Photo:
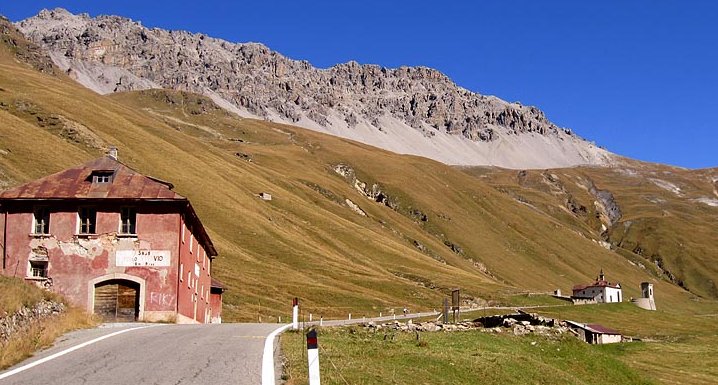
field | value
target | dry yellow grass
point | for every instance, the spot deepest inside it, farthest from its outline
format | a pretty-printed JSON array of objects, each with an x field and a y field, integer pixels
[
  {"x": 17, "y": 294},
  {"x": 307, "y": 242},
  {"x": 42, "y": 334}
]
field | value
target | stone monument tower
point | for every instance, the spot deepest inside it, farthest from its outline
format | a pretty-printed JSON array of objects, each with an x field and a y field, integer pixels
[{"x": 646, "y": 301}]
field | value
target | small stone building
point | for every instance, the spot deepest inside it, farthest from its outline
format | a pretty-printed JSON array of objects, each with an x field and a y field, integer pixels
[
  {"x": 595, "y": 333},
  {"x": 600, "y": 291},
  {"x": 113, "y": 241}
]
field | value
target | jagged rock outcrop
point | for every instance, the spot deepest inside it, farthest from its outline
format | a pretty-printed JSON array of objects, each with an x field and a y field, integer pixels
[
  {"x": 413, "y": 110},
  {"x": 607, "y": 208},
  {"x": 25, "y": 51}
]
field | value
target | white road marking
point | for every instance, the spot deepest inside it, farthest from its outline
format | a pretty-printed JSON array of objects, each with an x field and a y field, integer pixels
[
  {"x": 268, "y": 377},
  {"x": 69, "y": 350}
]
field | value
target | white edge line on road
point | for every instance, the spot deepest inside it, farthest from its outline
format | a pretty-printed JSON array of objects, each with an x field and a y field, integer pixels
[
  {"x": 69, "y": 350},
  {"x": 268, "y": 376}
]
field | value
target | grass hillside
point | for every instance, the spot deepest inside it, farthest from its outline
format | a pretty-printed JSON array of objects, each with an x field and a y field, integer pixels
[
  {"x": 669, "y": 216},
  {"x": 428, "y": 227}
]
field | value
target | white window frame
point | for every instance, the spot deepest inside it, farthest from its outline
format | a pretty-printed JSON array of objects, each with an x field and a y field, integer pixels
[
  {"x": 133, "y": 223},
  {"x": 79, "y": 221},
  {"x": 45, "y": 216},
  {"x": 31, "y": 270},
  {"x": 102, "y": 177}
]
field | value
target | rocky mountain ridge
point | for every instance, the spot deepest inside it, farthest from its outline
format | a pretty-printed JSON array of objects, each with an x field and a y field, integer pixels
[{"x": 413, "y": 110}]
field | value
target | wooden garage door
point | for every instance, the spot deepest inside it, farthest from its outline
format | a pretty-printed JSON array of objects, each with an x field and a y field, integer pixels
[{"x": 117, "y": 300}]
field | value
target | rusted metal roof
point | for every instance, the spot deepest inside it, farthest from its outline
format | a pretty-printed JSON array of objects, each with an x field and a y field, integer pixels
[
  {"x": 595, "y": 328},
  {"x": 216, "y": 284},
  {"x": 76, "y": 183},
  {"x": 124, "y": 184},
  {"x": 597, "y": 284},
  {"x": 601, "y": 329}
]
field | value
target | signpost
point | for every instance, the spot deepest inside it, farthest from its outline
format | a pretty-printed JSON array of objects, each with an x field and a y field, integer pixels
[
  {"x": 446, "y": 310},
  {"x": 295, "y": 313},
  {"x": 455, "y": 303},
  {"x": 313, "y": 357}
]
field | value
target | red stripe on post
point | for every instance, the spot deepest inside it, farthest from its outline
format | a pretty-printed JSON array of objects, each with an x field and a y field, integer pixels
[{"x": 312, "y": 339}]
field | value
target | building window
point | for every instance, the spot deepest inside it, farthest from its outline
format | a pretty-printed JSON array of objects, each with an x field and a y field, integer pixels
[
  {"x": 88, "y": 220},
  {"x": 128, "y": 221},
  {"x": 100, "y": 177},
  {"x": 181, "y": 274},
  {"x": 38, "y": 269},
  {"x": 41, "y": 221}
]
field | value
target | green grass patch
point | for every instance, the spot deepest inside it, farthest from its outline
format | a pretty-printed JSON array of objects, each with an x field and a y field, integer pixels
[
  {"x": 527, "y": 300},
  {"x": 357, "y": 356}
]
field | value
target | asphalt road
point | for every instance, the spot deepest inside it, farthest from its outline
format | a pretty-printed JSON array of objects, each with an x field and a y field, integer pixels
[
  {"x": 353, "y": 321},
  {"x": 156, "y": 354},
  {"x": 162, "y": 354}
]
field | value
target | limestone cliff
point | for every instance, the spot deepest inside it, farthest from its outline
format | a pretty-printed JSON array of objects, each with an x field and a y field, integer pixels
[{"x": 414, "y": 110}]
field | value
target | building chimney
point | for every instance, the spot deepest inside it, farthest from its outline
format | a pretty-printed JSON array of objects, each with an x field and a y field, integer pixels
[{"x": 112, "y": 152}]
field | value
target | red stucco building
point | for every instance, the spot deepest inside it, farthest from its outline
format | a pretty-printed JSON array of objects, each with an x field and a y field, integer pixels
[{"x": 113, "y": 241}]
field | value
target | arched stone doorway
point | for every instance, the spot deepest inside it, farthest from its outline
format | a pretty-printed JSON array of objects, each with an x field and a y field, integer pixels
[{"x": 118, "y": 298}]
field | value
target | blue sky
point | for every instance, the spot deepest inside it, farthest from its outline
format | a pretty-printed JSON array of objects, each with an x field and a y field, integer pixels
[{"x": 637, "y": 77}]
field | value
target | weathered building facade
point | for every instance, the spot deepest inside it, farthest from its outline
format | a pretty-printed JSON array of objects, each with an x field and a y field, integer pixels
[{"x": 113, "y": 241}]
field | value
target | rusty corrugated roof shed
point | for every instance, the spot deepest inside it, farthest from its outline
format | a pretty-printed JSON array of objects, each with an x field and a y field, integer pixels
[
  {"x": 601, "y": 329},
  {"x": 596, "y": 328},
  {"x": 126, "y": 184}
]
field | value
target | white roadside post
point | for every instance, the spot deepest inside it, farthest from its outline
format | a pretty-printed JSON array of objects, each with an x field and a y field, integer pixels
[
  {"x": 295, "y": 313},
  {"x": 313, "y": 357}
]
